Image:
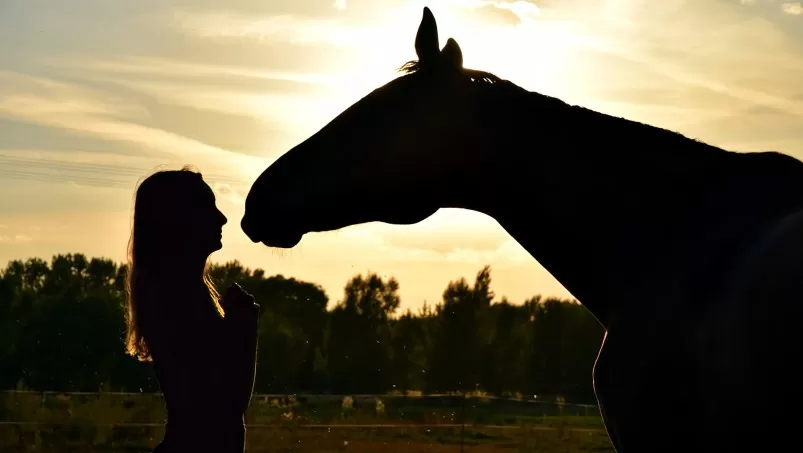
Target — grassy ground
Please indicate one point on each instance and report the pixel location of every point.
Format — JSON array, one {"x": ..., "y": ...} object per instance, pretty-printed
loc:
[
  {"x": 125, "y": 423},
  {"x": 326, "y": 440},
  {"x": 447, "y": 440}
]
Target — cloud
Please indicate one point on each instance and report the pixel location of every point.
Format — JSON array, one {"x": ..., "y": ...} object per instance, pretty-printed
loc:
[
  {"x": 450, "y": 235},
  {"x": 509, "y": 252},
  {"x": 118, "y": 124},
  {"x": 89, "y": 168},
  {"x": 287, "y": 110},
  {"x": 102, "y": 116},
  {"x": 699, "y": 52},
  {"x": 17, "y": 91},
  {"x": 432, "y": 242},
  {"x": 793, "y": 8},
  {"x": 444, "y": 240},
  {"x": 229, "y": 89},
  {"x": 525, "y": 11},
  {"x": 478, "y": 247},
  {"x": 761, "y": 109},
  {"x": 16, "y": 239},
  {"x": 226, "y": 191},
  {"x": 45, "y": 111},
  {"x": 286, "y": 28},
  {"x": 184, "y": 70},
  {"x": 248, "y": 110},
  {"x": 499, "y": 12}
]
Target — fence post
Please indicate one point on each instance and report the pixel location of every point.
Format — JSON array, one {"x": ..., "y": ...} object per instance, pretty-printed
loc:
[{"x": 462, "y": 421}]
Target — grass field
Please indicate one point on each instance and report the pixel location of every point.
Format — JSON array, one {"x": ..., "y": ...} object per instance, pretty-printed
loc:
[{"x": 108, "y": 422}]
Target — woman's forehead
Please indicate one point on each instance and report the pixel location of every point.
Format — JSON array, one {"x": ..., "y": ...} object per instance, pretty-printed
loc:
[
  {"x": 207, "y": 191},
  {"x": 201, "y": 194}
]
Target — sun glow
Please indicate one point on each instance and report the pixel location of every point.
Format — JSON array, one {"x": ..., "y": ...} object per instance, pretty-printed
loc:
[
  {"x": 531, "y": 51},
  {"x": 526, "y": 48}
]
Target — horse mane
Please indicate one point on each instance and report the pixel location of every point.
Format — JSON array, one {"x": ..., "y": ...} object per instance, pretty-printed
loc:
[
  {"x": 494, "y": 86},
  {"x": 476, "y": 76}
]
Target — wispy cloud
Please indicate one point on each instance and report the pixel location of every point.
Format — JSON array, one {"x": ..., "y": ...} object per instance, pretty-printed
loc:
[
  {"x": 450, "y": 235},
  {"x": 484, "y": 242},
  {"x": 97, "y": 115},
  {"x": 299, "y": 30},
  {"x": 182, "y": 70},
  {"x": 286, "y": 110},
  {"x": 16, "y": 239},
  {"x": 525, "y": 11},
  {"x": 715, "y": 60},
  {"x": 793, "y": 8},
  {"x": 101, "y": 116},
  {"x": 44, "y": 96},
  {"x": 227, "y": 191},
  {"x": 90, "y": 169}
]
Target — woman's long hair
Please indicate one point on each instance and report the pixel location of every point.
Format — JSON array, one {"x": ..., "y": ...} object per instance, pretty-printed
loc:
[{"x": 159, "y": 218}]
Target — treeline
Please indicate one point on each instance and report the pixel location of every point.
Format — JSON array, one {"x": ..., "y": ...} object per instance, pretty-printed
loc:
[{"x": 62, "y": 327}]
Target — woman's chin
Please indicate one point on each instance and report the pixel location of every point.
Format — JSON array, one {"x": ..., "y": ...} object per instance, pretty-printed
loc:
[{"x": 216, "y": 245}]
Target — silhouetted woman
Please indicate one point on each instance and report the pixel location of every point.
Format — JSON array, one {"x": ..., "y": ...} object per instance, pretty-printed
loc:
[{"x": 203, "y": 347}]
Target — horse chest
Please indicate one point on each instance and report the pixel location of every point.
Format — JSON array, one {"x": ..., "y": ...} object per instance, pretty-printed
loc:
[{"x": 639, "y": 369}]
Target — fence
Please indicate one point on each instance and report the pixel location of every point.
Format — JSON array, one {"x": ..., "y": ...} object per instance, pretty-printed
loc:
[{"x": 53, "y": 421}]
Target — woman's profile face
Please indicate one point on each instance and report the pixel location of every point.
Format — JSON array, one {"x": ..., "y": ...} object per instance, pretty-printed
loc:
[{"x": 205, "y": 221}]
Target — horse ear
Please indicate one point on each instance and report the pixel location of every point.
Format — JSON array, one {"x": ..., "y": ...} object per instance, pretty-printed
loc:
[
  {"x": 426, "y": 40},
  {"x": 452, "y": 54}
]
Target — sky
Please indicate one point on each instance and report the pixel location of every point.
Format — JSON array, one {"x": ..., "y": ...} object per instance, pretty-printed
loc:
[{"x": 95, "y": 95}]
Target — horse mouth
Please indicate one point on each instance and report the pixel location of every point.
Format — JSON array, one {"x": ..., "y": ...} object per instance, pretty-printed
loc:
[
  {"x": 277, "y": 235},
  {"x": 288, "y": 233},
  {"x": 283, "y": 241}
]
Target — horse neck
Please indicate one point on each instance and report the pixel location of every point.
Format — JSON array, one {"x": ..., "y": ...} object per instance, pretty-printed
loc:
[{"x": 606, "y": 205}]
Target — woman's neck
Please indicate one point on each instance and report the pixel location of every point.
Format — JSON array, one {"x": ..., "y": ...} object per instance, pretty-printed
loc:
[{"x": 183, "y": 267}]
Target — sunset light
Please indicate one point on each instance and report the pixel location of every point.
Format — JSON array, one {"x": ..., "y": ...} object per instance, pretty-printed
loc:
[
  {"x": 209, "y": 243},
  {"x": 230, "y": 87}
]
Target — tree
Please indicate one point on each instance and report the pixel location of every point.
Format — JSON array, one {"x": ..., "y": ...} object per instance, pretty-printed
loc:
[
  {"x": 462, "y": 335},
  {"x": 565, "y": 338},
  {"x": 410, "y": 343},
  {"x": 61, "y": 328},
  {"x": 503, "y": 372},
  {"x": 359, "y": 342}
]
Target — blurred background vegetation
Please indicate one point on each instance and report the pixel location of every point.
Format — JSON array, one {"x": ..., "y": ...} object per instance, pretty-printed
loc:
[{"x": 459, "y": 368}]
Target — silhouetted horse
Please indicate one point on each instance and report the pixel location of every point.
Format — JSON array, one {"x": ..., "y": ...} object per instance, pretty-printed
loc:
[{"x": 690, "y": 256}]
